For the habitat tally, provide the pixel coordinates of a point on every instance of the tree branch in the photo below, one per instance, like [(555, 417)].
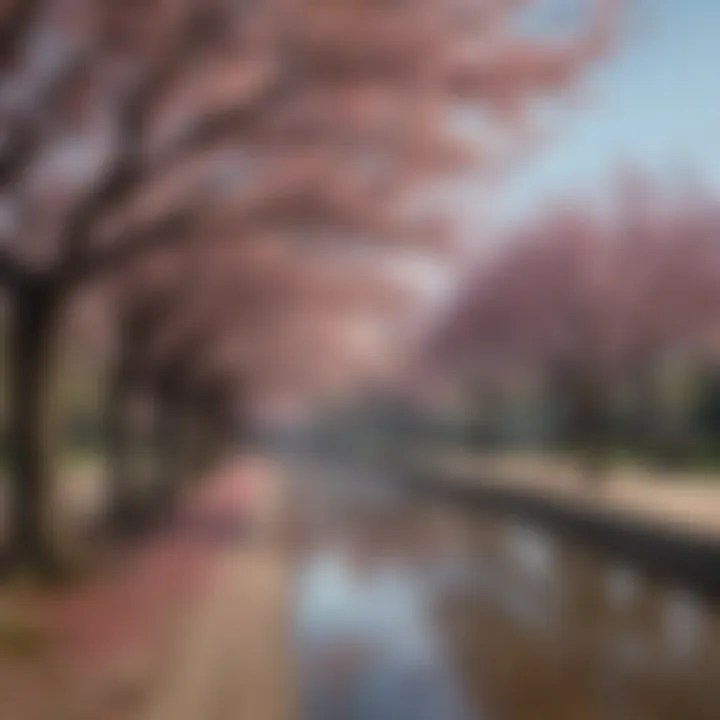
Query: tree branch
[(14, 25), (170, 230)]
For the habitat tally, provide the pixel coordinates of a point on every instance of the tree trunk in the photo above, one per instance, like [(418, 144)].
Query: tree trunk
[(168, 452), (664, 434), (124, 503), (646, 411), (33, 325), (589, 424), (198, 440)]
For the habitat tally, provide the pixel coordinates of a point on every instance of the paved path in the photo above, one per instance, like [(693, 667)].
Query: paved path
[(684, 501), (188, 625), (231, 661)]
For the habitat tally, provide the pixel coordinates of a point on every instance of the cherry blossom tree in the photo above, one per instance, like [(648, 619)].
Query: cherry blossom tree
[(593, 302), (129, 126)]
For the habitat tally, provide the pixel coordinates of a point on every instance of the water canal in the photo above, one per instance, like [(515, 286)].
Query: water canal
[(543, 628)]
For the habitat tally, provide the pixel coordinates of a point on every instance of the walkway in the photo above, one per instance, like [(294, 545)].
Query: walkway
[(188, 625), (684, 501), (231, 664)]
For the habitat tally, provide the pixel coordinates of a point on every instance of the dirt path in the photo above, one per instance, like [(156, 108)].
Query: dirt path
[(675, 500), (230, 663)]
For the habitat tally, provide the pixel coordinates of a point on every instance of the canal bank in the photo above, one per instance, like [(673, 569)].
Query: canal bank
[(669, 530)]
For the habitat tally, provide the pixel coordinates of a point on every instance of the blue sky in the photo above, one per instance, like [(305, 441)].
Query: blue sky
[(654, 104)]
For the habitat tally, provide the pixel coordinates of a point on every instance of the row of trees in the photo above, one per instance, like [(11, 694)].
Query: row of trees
[(203, 170), (602, 310)]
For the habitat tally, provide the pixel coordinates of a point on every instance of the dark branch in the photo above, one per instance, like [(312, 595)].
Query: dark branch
[(14, 27), (172, 230)]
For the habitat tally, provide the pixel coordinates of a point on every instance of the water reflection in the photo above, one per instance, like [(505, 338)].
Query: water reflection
[(532, 550), (622, 587), (684, 624), (617, 643), (366, 620), (537, 628)]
